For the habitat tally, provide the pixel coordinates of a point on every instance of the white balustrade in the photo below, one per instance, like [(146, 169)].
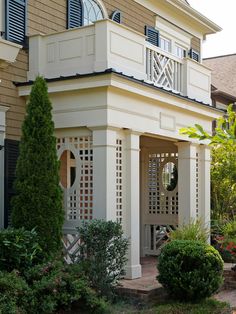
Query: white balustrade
[(155, 238), (164, 69)]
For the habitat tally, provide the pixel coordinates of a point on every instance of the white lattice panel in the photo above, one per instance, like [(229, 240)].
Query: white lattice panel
[(78, 198), (119, 180), (161, 201)]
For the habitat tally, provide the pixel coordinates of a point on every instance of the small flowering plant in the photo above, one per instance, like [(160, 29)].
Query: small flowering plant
[(226, 247)]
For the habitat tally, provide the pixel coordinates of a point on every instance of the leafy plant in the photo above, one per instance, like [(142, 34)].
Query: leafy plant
[(192, 231), (225, 132), (38, 203), (103, 251), (19, 249), (56, 286), (13, 291), (224, 240), (190, 270), (223, 182)]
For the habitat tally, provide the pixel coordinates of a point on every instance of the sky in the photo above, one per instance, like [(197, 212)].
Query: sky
[(223, 13)]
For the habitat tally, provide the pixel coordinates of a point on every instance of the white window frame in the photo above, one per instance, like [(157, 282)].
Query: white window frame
[(165, 43), (177, 36)]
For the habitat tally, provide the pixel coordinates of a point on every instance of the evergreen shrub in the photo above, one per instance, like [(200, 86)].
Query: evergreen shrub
[(190, 270), (102, 254), (38, 203), (19, 249)]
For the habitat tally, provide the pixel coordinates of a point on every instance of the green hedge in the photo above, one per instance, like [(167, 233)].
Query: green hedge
[(190, 270)]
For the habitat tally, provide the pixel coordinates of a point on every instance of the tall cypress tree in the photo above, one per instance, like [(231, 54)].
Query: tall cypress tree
[(38, 203)]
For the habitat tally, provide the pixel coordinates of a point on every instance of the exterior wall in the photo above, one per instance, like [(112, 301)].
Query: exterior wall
[(196, 44), (9, 94), (134, 15), (45, 17)]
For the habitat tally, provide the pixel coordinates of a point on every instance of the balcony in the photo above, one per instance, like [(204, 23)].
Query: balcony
[(106, 44)]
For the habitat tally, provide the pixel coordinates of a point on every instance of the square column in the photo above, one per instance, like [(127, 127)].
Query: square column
[(205, 179), (132, 221), (104, 174), (3, 111), (186, 182)]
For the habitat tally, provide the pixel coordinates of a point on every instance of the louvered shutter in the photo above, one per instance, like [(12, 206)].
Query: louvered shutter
[(74, 13), (116, 16), (194, 55), (11, 149), (16, 20), (152, 35)]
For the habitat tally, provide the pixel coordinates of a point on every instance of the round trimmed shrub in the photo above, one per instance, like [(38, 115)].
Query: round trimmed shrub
[(190, 270)]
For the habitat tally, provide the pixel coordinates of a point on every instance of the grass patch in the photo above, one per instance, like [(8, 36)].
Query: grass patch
[(208, 306)]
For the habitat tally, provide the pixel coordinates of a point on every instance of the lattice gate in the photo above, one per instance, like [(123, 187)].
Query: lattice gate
[(159, 205)]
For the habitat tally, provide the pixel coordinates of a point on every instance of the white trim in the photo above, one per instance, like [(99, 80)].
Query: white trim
[(2, 137)]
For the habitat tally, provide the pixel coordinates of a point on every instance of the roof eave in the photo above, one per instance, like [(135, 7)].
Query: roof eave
[(208, 26)]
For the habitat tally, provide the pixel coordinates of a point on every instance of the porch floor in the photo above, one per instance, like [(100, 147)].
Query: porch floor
[(148, 280)]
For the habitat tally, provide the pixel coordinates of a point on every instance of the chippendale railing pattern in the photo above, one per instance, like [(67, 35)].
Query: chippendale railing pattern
[(164, 69)]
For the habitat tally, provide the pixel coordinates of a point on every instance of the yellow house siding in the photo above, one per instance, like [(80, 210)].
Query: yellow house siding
[(134, 15), (43, 16), (196, 44)]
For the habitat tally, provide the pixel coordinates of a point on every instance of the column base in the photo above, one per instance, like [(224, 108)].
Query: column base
[(133, 272)]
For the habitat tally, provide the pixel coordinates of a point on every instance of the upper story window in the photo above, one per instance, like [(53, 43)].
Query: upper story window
[(180, 52), (15, 20), (165, 43), (83, 12)]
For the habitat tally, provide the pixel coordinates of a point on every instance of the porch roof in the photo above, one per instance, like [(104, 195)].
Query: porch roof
[(113, 71)]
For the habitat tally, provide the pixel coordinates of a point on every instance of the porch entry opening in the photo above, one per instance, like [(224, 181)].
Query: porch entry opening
[(159, 194)]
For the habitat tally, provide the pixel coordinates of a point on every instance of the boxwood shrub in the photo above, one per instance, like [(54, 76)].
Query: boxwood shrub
[(190, 270)]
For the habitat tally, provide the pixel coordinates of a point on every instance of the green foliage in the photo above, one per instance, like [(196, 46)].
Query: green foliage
[(103, 254), (38, 203), (224, 240), (56, 286), (19, 249), (13, 291), (193, 231), (190, 270), (223, 181), (209, 306), (225, 133), (46, 289)]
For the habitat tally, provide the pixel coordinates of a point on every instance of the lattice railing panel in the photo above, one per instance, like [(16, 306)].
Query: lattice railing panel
[(70, 247), (164, 70), (155, 237)]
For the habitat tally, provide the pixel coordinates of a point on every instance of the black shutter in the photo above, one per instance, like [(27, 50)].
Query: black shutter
[(152, 35), (16, 20), (74, 13), (11, 149), (116, 16), (194, 55)]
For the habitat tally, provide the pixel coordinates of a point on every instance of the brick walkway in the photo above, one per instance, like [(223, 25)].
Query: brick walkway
[(147, 285)]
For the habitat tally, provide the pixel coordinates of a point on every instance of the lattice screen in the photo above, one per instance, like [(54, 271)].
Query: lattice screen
[(161, 201), (78, 199), (119, 180)]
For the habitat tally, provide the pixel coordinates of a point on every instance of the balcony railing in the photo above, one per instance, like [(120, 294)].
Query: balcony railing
[(164, 69), (106, 44)]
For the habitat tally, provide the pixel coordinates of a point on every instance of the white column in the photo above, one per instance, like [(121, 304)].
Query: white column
[(186, 182), (205, 193), (2, 136), (132, 221), (104, 174)]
